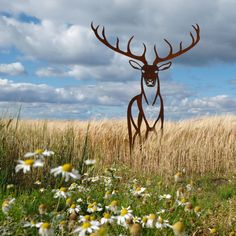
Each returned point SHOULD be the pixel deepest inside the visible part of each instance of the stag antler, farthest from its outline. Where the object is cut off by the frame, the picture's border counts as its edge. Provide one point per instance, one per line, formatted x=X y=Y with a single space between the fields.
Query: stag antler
x=172 y=55
x=116 y=48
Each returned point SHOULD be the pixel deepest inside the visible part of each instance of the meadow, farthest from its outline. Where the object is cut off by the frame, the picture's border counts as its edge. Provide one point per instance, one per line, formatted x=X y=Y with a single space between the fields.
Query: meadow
x=180 y=183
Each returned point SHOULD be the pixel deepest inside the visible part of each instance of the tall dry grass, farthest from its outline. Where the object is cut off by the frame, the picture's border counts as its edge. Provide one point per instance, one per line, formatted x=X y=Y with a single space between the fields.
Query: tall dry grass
x=205 y=145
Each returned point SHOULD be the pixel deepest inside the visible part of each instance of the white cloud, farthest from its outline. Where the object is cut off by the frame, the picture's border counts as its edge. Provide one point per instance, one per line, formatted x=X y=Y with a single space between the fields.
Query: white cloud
x=15 y=68
x=53 y=43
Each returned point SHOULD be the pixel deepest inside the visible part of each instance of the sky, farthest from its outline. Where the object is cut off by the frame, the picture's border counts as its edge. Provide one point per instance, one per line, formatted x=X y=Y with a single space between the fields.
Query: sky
x=53 y=67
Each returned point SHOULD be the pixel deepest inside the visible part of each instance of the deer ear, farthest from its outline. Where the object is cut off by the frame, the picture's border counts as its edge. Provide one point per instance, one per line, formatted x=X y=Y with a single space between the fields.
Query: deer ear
x=164 y=66
x=135 y=65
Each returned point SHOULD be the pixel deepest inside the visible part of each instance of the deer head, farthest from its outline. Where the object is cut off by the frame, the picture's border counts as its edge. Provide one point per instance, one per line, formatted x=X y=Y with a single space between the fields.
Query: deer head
x=149 y=72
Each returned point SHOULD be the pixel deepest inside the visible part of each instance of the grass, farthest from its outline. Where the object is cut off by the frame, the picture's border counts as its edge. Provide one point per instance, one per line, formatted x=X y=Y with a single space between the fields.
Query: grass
x=205 y=148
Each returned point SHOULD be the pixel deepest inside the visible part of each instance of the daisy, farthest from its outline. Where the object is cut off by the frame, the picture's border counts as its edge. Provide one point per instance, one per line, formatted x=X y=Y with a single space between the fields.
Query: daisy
x=160 y=224
x=74 y=209
x=109 y=194
x=30 y=224
x=93 y=207
x=151 y=220
x=113 y=207
x=45 y=229
x=66 y=171
x=87 y=228
x=7 y=205
x=107 y=219
x=61 y=193
x=125 y=214
x=138 y=192
x=39 y=153
x=27 y=164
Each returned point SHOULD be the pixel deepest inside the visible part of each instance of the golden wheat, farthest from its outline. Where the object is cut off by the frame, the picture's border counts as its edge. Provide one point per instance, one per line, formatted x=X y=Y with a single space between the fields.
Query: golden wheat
x=204 y=145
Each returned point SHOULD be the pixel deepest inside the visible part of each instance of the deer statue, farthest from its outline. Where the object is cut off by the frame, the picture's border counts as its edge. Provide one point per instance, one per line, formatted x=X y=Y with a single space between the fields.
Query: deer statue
x=149 y=81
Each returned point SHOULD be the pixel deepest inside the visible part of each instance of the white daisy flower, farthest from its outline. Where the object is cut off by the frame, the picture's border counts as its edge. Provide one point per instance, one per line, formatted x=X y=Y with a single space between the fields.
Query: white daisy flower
x=39 y=153
x=138 y=192
x=30 y=224
x=74 y=209
x=113 y=207
x=107 y=218
x=67 y=171
x=7 y=205
x=61 y=193
x=27 y=164
x=89 y=162
x=160 y=224
x=87 y=228
x=125 y=214
x=45 y=229
x=93 y=207
x=151 y=221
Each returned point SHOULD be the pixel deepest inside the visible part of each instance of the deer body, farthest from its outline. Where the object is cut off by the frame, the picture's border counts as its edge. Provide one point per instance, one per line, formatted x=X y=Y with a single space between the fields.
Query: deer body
x=149 y=82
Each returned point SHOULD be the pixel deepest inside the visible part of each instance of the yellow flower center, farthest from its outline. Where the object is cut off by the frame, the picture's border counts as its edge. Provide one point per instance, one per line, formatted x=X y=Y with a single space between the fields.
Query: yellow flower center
x=92 y=217
x=67 y=167
x=86 y=225
x=138 y=189
x=152 y=217
x=123 y=212
x=38 y=151
x=87 y=217
x=46 y=225
x=183 y=200
x=29 y=162
x=73 y=206
x=106 y=215
x=114 y=203
x=63 y=189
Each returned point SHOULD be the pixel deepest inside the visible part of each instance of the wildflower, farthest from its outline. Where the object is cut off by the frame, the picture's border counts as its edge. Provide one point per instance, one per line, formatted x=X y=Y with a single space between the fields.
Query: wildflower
x=73 y=186
x=39 y=153
x=125 y=214
x=113 y=207
x=109 y=194
x=138 y=192
x=41 y=190
x=27 y=164
x=74 y=209
x=87 y=227
x=89 y=162
x=151 y=220
x=45 y=229
x=67 y=171
x=144 y=221
x=84 y=218
x=93 y=207
x=7 y=205
x=107 y=218
x=178 y=229
x=61 y=193
x=178 y=177
x=135 y=230
x=160 y=223
x=30 y=224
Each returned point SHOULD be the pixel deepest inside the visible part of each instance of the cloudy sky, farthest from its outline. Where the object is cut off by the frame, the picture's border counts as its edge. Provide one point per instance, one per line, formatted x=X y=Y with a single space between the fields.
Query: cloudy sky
x=52 y=66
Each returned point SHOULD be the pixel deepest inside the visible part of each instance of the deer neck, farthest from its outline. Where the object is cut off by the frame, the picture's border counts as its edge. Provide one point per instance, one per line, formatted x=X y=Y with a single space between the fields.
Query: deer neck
x=150 y=94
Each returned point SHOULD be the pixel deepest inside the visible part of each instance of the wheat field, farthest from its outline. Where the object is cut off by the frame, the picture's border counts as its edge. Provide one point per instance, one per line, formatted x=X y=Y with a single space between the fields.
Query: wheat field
x=200 y=146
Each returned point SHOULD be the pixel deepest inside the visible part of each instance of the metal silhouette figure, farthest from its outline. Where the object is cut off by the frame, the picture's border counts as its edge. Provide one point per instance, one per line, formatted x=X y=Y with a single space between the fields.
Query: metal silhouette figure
x=149 y=80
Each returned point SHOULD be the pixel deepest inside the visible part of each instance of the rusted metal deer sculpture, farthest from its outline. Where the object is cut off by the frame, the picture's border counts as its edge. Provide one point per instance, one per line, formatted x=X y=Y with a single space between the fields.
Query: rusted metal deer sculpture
x=149 y=80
